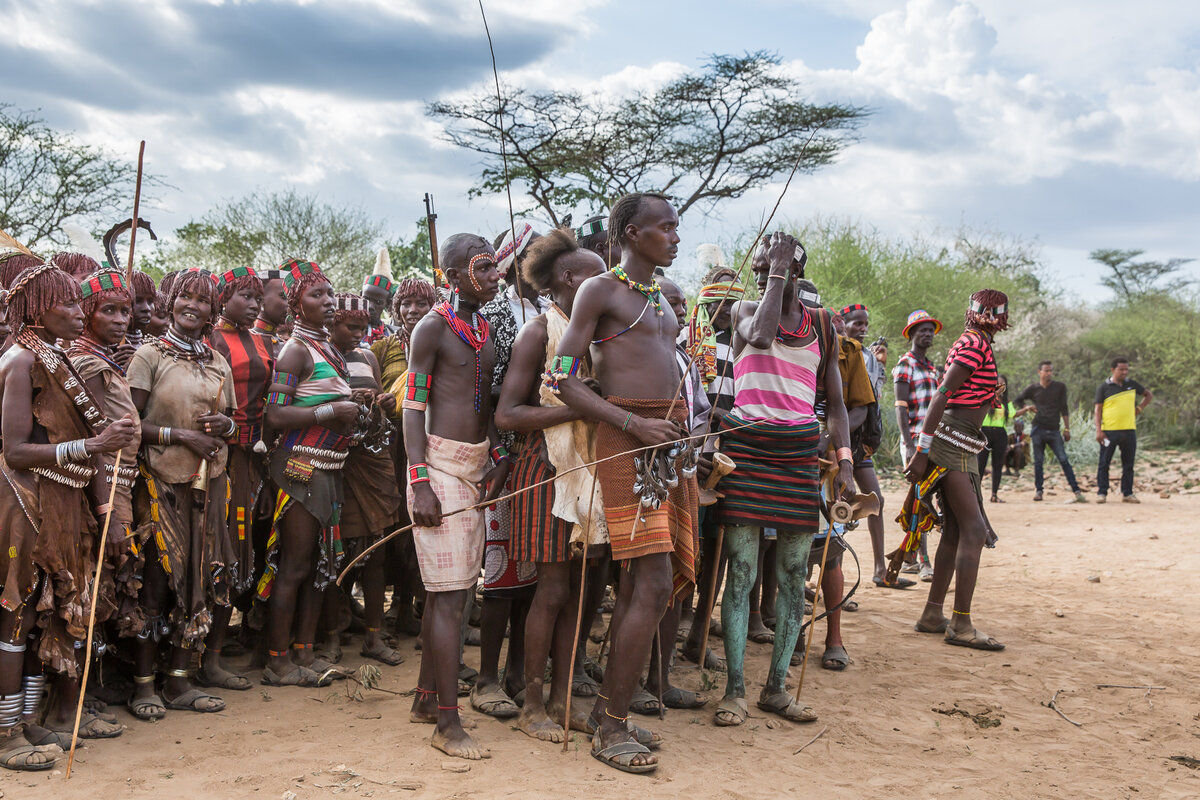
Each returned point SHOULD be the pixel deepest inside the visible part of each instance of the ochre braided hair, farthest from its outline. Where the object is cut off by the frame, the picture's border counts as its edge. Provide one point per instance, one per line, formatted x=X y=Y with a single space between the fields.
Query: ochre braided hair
x=92 y=301
x=143 y=285
x=77 y=264
x=409 y=288
x=13 y=264
x=37 y=290
x=988 y=310
x=196 y=281
x=301 y=284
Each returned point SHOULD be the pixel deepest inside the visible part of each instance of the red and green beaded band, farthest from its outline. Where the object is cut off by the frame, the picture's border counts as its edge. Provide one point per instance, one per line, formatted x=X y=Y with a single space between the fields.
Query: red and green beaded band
x=418 y=387
x=499 y=453
x=418 y=473
x=295 y=270
x=382 y=281
x=236 y=272
x=103 y=282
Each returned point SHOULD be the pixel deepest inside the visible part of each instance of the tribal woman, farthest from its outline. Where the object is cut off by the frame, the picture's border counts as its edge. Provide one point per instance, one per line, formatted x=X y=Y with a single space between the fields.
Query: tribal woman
x=108 y=311
x=947 y=460
x=372 y=492
x=309 y=403
x=184 y=391
x=251 y=364
x=52 y=427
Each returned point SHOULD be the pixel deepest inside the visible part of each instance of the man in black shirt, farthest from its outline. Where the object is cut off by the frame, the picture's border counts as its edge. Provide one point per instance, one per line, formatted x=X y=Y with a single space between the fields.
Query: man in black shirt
x=1048 y=399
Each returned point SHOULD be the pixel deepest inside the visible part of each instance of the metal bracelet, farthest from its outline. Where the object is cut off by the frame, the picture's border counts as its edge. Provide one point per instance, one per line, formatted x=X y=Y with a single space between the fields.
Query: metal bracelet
x=324 y=413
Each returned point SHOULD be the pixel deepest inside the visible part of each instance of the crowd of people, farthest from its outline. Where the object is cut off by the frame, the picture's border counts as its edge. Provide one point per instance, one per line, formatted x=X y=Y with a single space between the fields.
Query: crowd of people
x=547 y=422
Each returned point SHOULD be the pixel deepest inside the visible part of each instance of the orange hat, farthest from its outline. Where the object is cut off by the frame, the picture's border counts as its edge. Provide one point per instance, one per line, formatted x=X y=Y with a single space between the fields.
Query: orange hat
x=916 y=318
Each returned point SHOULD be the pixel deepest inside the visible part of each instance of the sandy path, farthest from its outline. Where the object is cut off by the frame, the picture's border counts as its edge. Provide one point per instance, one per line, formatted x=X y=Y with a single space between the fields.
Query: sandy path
x=1135 y=626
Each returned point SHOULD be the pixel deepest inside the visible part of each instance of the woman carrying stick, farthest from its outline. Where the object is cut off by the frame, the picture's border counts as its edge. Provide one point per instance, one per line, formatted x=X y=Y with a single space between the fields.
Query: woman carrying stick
x=178 y=382
x=51 y=427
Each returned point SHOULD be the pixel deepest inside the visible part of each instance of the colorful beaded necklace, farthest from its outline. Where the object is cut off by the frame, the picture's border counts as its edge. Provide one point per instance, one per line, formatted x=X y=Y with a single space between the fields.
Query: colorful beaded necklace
x=801 y=332
x=318 y=339
x=86 y=345
x=653 y=292
x=475 y=335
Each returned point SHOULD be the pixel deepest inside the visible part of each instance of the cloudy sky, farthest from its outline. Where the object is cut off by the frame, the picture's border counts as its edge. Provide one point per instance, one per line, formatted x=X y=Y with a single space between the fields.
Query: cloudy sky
x=1074 y=123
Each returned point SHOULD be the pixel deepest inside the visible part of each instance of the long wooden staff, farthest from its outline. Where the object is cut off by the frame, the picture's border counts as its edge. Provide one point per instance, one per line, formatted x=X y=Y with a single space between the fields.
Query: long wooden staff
x=87 y=653
x=512 y=225
x=137 y=202
x=812 y=625
x=576 y=633
x=529 y=488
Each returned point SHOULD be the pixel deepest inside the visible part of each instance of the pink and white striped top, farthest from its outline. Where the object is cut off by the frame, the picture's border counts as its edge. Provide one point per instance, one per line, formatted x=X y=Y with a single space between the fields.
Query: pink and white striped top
x=778 y=383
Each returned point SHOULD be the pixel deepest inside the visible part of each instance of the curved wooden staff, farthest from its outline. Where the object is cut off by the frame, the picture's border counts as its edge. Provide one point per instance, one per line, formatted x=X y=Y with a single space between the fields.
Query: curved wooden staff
x=525 y=489
x=87 y=657
x=512 y=224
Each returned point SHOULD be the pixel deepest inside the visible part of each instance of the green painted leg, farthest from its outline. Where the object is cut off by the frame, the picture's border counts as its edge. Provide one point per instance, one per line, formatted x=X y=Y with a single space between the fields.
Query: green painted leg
x=741 y=543
x=791 y=566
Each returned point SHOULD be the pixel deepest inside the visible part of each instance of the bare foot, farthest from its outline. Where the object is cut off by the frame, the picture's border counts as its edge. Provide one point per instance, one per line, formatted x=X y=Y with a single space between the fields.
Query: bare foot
x=579 y=717
x=425 y=712
x=455 y=742
x=538 y=725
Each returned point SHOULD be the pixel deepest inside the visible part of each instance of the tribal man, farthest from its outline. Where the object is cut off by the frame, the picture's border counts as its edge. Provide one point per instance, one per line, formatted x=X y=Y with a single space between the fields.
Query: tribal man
x=624 y=316
x=782 y=353
x=450 y=439
x=377 y=291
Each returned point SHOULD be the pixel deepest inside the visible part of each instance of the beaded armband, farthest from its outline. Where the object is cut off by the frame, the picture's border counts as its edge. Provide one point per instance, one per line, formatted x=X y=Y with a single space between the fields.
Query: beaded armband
x=282 y=398
x=416 y=392
x=562 y=367
x=499 y=453
x=418 y=473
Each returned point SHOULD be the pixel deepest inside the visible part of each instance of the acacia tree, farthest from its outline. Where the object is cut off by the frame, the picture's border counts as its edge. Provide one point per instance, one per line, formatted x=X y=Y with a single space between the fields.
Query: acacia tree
x=1131 y=280
x=46 y=178
x=707 y=136
x=264 y=229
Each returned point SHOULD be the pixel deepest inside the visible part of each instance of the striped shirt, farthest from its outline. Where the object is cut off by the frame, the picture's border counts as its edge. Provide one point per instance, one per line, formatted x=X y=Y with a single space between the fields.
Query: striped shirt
x=720 y=390
x=974 y=351
x=777 y=383
x=325 y=385
x=250 y=359
x=922 y=378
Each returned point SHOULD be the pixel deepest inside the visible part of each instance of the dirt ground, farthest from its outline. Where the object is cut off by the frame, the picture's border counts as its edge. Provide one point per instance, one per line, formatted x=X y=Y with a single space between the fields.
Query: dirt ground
x=1082 y=594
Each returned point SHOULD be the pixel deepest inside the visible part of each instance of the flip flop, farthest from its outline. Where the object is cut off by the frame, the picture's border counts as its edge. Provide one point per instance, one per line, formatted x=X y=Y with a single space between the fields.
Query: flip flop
x=296 y=676
x=939 y=628
x=18 y=754
x=901 y=583
x=712 y=661
x=733 y=707
x=620 y=756
x=783 y=704
x=835 y=659
x=494 y=702
x=148 y=709
x=976 y=641
x=583 y=685
x=193 y=700
x=90 y=727
x=683 y=699
x=762 y=637
x=852 y=606
x=382 y=653
x=644 y=703
x=223 y=680
x=645 y=738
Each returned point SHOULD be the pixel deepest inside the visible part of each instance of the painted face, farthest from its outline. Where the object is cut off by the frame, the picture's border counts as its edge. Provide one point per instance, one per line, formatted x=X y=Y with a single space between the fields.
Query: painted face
x=412 y=311
x=318 y=305
x=63 y=321
x=243 y=306
x=346 y=334
x=192 y=311
x=655 y=236
x=110 y=320
x=377 y=299
x=857 y=323
x=922 y=335
x=274 y=302
x=479 y=279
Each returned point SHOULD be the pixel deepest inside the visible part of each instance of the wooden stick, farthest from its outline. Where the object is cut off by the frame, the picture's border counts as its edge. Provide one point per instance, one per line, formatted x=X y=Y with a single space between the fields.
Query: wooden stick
x=1125 y=686
x=812 y=626
x=587 y=536
x=1053 y=706
x=137 y=202
x=87 y=657
x=810 y=741
x=11 y=242
x=712 y=598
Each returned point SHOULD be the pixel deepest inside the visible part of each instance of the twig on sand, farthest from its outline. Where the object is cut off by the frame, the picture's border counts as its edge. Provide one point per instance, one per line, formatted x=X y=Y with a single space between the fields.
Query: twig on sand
x=1053 y=706
x=810 y=741
x=1126 y=686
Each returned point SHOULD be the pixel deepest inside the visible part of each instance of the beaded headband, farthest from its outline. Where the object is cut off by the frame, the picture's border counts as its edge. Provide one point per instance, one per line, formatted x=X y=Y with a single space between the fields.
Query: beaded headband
x=351 y=302
x=382 y=281
x=191 y=270
x=852 y=307
x=590 y=228
x=236 y=272
x=272 y=275
x=102 y=282
x=294 y=270
x=980 y=308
